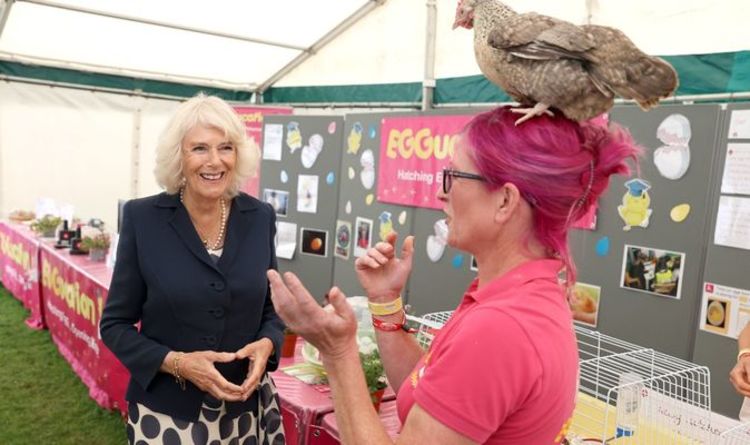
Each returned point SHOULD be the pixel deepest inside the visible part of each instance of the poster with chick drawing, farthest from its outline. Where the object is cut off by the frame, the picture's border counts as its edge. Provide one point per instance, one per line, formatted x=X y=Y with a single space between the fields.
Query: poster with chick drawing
x=635 y=210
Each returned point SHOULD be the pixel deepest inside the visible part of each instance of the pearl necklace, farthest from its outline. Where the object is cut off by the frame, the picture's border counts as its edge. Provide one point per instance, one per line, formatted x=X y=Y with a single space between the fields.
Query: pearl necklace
x=218 y=244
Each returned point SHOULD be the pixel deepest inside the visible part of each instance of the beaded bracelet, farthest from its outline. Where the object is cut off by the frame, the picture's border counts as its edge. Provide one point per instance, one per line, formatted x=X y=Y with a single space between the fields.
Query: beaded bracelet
x=176 y=370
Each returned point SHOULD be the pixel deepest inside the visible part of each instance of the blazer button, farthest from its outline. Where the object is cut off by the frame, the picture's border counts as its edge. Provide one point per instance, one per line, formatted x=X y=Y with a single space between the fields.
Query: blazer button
x=210 y=340
x=218 y=286
x=218 y=312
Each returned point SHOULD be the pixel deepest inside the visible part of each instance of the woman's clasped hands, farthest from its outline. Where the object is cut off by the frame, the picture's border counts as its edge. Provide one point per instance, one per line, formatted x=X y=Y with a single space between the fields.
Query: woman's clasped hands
x=199 y=368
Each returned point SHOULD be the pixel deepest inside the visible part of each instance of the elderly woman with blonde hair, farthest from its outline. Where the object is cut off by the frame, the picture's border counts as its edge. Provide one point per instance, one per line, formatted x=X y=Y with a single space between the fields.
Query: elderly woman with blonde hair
x=191 y=265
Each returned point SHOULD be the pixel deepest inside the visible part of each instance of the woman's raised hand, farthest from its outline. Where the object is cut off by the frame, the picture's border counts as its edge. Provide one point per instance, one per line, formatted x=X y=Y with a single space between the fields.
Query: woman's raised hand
x=331 y=329
x=381 y=273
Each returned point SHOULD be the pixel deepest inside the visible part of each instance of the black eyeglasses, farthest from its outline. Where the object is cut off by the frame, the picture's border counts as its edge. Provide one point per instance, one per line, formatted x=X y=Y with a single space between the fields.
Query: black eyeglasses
x=449 y=174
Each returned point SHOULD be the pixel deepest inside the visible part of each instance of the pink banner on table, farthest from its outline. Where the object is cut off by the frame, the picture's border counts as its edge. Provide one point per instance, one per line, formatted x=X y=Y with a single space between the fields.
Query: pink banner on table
x=19 y=269
x=413 y=152
x=74 y=291
x=253 y=119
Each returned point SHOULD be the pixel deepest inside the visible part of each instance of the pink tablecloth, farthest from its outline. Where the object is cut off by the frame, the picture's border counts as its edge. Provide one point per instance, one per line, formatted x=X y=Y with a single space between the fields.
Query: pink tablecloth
x=19 y=269
x=74 y=291
x=304 y=406
x=388 y=417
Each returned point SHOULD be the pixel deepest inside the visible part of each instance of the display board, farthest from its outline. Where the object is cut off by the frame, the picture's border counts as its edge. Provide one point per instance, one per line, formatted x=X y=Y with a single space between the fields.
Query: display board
x=723 y=310
x=300 y=177
x=636 y=235
x=358 y=208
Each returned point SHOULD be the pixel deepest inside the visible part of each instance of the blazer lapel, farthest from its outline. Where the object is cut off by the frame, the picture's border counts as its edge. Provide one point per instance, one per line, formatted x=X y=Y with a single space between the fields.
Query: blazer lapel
x=238 y=226
x=180 y=222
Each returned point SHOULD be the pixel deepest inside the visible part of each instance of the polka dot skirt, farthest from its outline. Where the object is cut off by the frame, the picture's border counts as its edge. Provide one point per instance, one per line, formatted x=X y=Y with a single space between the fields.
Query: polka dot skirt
x=213 y=427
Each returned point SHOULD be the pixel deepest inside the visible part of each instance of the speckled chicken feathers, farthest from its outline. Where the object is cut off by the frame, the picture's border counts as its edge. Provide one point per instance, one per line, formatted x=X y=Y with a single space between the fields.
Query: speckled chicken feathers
x=576 y=69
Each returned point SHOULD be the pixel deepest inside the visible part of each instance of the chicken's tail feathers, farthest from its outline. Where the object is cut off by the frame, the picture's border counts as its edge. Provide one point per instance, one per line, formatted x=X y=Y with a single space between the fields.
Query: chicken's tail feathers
x=646 y=81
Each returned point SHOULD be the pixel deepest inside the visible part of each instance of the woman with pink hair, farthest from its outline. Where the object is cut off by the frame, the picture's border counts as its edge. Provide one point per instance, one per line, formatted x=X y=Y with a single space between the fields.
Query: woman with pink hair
x=504 y=369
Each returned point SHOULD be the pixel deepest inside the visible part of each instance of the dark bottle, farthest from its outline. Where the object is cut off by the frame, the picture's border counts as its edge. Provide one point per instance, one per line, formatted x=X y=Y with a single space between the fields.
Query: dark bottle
x=75 y=243
x=64 y=236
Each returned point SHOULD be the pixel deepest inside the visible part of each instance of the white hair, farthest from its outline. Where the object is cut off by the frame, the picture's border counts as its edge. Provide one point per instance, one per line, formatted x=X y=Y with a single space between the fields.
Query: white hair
x=209 y=111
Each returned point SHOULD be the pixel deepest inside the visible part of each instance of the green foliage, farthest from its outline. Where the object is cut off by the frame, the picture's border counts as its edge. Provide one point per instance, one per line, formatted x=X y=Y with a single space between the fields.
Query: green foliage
x=373 y=369
x=45 y=224
x=99 y=241
x=43 y=401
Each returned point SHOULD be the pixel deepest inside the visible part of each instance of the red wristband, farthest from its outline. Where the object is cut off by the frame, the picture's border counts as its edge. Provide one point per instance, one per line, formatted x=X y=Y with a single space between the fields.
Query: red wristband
x=387 y=326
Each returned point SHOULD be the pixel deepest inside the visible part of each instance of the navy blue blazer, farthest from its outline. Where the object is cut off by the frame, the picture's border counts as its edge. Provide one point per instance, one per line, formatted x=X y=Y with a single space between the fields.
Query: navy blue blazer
x=184 y=301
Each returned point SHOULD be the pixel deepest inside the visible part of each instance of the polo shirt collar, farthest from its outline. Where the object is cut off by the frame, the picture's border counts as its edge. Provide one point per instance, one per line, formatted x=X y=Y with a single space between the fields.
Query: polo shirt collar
x=547 y=268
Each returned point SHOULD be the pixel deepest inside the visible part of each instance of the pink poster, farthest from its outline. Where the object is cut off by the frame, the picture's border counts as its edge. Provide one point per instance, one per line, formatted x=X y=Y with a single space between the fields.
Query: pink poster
x=413 y=152
x=74 y=291
x=19 y=270
x=253 y=119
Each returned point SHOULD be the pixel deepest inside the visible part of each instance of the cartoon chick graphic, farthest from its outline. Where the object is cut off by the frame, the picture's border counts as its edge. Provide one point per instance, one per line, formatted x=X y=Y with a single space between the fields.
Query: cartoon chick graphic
x=635 y=210
x=293 y=136
x=386 y=225
x=354 y=141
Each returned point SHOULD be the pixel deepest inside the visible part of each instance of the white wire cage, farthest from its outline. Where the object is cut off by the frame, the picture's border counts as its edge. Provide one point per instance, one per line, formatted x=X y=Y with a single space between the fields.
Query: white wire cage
x=428 y=326
x=634 y=395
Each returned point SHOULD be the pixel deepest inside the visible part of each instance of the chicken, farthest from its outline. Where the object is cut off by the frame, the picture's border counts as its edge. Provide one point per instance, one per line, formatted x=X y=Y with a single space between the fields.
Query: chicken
x=544 y=63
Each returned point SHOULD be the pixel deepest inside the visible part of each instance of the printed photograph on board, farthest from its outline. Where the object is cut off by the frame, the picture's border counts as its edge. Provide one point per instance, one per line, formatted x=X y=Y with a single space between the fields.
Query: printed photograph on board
x=279 y=200
x=585 y=303
x=363 y=236
x=655 y=271
x=314 y=242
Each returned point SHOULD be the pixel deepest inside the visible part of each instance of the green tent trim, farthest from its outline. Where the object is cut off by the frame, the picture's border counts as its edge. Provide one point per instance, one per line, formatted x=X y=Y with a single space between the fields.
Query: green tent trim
x=121 y=83
x=699 y=74
x=718 y=73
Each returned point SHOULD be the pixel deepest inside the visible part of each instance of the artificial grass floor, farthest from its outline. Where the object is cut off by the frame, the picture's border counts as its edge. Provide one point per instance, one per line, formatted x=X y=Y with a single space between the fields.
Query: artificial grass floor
x=41 y=400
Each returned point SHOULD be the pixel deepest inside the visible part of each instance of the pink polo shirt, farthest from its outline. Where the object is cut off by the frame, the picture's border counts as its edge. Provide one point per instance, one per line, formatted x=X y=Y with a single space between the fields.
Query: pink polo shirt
x=504 y=369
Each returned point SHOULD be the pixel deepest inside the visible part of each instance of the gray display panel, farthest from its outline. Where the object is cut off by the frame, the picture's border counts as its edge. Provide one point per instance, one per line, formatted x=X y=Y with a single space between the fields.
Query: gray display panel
x=311 y=135
x=645 y=318
x=726 y=266
x=362 y=135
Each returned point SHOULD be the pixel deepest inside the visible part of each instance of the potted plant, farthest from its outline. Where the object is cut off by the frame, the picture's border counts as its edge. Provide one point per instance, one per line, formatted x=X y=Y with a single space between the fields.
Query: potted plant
x=290 y=343
x=46 y=226
x=97 y=245
x=374 y=376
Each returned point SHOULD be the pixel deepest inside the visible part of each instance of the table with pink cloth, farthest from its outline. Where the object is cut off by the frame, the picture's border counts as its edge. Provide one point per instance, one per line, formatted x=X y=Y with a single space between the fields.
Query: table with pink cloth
x=19 y=268
x=304 y=407
x=327 y=433
x=74 y=291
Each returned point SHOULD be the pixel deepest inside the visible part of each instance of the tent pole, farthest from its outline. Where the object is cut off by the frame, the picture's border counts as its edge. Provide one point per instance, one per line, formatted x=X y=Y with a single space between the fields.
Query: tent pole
x=428 y=84
x=4 y=13
x=135 y=149
x=146 y=21
x=323 y=41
